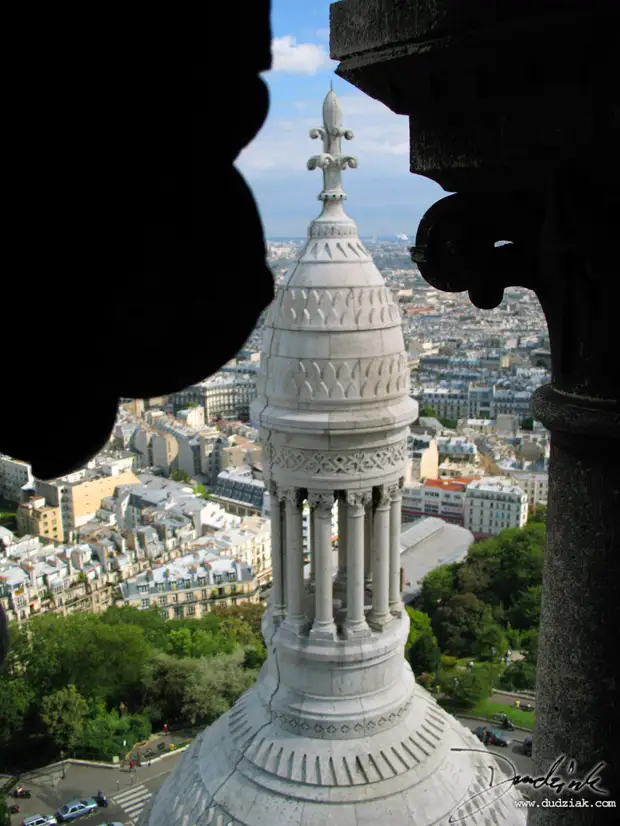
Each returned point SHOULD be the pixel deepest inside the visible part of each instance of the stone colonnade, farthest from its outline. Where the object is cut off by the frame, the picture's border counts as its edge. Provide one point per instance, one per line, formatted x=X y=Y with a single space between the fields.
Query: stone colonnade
x=368 y=576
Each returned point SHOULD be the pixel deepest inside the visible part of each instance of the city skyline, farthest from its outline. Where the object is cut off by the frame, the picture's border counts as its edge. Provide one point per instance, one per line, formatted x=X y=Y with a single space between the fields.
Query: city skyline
x=387 y=202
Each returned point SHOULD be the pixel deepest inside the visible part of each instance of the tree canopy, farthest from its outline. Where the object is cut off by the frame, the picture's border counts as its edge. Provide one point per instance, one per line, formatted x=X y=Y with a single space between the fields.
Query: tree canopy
x=477 y=607
x=85 y=683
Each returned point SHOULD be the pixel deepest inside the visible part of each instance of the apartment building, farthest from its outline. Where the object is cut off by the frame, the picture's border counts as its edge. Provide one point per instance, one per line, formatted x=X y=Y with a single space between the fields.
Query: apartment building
x=79 y=495
x=493 y=504
x=225 y=396
x=240 y=493
x=248 y=543
x=14 y=475
x=37 y=579
x=534 y=483
x=191 y=585
x=442 y=498
x=36 y=518
x=423 y=458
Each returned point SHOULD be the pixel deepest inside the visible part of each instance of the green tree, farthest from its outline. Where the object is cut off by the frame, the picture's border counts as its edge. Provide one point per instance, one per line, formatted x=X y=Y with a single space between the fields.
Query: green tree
x=153 y=625
x=465 y=689
x=180 y=476
x=164 y=679
x=424 y=655
x=519 y=676
x=201 y=491
x=437 y=587
x=460 y=622
x=16 y=698
x=525 y=612
x=529 y=646
x=180 y=642
x=490 y=643
x=419 y=624
x=64 y=713
x=427 y=411
x=254 y=657
x=539 y=515
x=215 y=685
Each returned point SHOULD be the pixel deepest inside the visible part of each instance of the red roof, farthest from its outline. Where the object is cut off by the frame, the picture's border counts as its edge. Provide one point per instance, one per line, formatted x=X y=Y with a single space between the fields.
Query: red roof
x=456 y=483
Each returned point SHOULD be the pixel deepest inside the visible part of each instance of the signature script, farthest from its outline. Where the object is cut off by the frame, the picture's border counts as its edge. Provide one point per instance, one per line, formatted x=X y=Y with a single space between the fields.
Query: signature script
x=497 y=788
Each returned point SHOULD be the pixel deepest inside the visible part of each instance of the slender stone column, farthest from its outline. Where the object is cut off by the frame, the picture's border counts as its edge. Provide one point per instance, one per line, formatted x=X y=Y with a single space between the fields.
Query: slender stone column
x=278 y=605
x=323 y=626
x=296 y=619
x=396 y=605
x=312 y=546
x=355 y=623
x=380 y=561
x=368 y=536
x=341 y=576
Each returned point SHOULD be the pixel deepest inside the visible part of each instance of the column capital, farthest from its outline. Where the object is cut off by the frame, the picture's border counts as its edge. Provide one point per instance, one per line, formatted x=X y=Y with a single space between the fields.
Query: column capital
x=358 y=501
x=321 y=502
x=383 y=496
x=292 y=496
x=394 y=491
x=275 y=492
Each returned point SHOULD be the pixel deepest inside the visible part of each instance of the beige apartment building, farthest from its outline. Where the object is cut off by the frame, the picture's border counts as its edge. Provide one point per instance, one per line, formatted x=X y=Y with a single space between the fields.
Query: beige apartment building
x=79 y=495
x=36 y=518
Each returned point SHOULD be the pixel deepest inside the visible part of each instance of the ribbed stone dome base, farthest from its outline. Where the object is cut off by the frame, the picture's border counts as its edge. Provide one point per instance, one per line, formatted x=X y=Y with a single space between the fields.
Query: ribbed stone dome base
x=246 y=770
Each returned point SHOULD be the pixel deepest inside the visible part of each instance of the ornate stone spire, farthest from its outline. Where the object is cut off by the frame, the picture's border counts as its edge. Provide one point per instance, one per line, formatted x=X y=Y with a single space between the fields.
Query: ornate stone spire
x=331 y=160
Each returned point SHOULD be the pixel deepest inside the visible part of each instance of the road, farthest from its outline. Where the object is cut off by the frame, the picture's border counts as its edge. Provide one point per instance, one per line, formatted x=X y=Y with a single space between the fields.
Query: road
x=128 y=793
x=514 y=751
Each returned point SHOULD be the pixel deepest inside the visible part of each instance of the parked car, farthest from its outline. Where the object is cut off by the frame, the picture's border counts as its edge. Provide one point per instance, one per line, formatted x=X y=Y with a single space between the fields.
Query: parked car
x=76 y=808
x=493 y=738
x=116 y=823
x=40 y=820
x=527 y=745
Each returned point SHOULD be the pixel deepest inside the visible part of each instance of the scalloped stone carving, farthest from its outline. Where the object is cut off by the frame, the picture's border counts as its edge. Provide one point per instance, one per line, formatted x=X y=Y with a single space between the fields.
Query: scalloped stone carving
x=315 y=463
x=345 y=307
x=340 y=379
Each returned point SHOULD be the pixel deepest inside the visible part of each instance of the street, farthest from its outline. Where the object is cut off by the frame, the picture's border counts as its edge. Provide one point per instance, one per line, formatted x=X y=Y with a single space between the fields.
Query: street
x=128 y=792
x=514 y=750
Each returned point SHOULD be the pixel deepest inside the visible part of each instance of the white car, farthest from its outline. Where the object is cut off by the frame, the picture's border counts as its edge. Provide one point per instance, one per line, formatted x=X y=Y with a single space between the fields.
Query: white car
x=40 y=820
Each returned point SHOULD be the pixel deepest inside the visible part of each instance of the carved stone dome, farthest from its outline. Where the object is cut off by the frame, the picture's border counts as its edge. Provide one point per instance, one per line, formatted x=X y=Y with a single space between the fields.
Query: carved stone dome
x=333 y=394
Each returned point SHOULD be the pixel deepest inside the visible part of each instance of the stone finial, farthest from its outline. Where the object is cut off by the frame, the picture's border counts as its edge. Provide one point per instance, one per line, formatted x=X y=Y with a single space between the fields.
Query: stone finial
x=332 y=161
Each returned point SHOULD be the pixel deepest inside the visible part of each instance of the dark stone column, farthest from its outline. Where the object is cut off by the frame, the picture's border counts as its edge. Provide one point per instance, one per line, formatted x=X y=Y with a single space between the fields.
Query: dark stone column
x=578 y=712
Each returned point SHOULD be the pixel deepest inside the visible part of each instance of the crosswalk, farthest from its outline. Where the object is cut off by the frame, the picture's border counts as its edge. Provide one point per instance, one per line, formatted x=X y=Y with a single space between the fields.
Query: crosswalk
x=133 y=800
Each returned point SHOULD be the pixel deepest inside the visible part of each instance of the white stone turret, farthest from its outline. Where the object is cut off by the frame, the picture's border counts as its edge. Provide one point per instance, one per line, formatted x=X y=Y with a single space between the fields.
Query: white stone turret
x=335 y=731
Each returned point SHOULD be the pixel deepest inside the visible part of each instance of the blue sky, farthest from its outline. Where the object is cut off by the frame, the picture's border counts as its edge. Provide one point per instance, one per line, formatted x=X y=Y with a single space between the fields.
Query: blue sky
x=384 y=198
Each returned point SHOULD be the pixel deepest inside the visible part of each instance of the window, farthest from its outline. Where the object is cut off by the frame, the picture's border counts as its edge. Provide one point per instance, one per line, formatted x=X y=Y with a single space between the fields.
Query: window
x=189 y=597
x=146 y=603
x=164 y=614
x=191 y=610
x=203 y=593
x=163 y=600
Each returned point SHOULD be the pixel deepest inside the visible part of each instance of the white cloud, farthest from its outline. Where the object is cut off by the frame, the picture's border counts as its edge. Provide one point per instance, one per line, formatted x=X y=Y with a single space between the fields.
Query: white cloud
x=298 y=58
x=381 y=140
